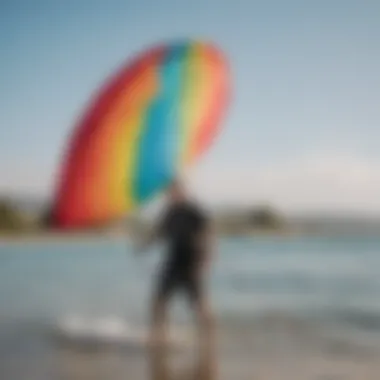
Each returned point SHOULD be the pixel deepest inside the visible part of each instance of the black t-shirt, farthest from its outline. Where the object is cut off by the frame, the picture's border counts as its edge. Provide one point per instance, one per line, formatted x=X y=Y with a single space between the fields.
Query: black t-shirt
x=180 y=227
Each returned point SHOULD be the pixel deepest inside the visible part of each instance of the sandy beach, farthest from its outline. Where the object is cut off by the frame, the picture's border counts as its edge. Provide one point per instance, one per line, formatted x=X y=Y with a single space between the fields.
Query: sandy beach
x=248 y=355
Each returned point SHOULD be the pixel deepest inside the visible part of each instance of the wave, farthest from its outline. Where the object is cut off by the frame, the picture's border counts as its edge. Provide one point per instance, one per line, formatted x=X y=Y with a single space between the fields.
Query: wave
x=111 y=330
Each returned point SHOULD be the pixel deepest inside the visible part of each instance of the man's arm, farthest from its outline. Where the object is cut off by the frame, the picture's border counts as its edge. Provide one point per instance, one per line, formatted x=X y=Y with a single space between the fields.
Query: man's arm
x=207 y=247
x=156 y=233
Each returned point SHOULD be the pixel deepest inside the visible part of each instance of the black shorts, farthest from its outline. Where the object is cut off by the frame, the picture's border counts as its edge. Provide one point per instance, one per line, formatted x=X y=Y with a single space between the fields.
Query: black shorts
x=179 y=278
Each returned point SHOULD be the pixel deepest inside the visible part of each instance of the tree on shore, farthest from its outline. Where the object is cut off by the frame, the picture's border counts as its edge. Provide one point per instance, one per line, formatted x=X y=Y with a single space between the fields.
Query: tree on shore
x=265 y=217
x=46 y=219
x=10 y=218
x=248 y=219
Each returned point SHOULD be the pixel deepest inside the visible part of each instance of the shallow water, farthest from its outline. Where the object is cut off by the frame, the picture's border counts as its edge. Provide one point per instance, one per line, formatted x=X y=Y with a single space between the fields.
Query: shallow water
x=306 y=293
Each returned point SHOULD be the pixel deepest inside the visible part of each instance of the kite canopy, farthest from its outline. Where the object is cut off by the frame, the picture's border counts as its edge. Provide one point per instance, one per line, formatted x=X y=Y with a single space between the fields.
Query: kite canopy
x=151 y=120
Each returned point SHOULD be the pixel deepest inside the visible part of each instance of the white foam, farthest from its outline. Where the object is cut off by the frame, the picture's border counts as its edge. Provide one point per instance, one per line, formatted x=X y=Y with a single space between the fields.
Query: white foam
x=110 y=329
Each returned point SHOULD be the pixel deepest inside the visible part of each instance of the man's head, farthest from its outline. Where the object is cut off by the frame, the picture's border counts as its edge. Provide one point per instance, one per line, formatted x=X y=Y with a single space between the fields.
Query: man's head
x=176 y=193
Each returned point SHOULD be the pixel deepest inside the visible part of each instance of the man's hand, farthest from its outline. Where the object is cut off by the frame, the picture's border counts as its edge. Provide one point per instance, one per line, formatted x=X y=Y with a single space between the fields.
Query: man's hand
x=144 y=243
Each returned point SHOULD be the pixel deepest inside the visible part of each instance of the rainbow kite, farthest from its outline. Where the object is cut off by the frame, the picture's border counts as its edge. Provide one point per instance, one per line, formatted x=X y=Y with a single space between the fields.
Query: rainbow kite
x=151 y=120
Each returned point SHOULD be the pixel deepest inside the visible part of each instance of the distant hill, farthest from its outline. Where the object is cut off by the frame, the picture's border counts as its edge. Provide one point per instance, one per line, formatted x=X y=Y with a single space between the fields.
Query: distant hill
x=28 y=204
x=238 y=217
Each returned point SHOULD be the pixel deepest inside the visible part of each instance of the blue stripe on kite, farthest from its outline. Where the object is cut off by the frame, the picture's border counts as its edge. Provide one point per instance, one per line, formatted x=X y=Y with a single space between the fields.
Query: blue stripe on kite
x=158 y=148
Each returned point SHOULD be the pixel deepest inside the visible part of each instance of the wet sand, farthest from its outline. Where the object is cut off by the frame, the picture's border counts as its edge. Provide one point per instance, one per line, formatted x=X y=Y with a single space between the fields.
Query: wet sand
x=242 y=357
x=270 y=350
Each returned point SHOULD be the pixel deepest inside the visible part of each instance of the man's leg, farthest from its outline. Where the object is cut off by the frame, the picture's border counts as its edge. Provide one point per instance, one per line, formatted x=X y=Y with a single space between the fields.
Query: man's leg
x=162 y=294
x=206 y=328
x=158 y=352
x=158 y=332
x=206 y=322
x=159 y=322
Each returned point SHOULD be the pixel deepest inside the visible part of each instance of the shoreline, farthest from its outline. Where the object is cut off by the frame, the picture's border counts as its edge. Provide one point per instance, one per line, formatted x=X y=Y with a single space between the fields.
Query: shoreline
x=46 y=237
x=56 y=236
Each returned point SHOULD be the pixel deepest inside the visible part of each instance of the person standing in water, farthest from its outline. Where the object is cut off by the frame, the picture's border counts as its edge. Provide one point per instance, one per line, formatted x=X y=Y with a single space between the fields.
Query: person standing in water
x=186 y=229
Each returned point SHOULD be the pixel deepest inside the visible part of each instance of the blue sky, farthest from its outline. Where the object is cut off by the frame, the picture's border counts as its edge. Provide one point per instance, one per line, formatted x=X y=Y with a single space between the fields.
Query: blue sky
x=304 y=125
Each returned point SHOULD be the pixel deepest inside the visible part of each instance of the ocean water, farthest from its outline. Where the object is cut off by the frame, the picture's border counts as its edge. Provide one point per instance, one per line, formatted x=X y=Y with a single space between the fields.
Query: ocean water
x=330 y=282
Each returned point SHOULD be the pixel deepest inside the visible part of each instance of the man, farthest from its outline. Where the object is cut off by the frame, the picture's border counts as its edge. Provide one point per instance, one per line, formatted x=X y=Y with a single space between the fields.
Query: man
x=186 y=230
